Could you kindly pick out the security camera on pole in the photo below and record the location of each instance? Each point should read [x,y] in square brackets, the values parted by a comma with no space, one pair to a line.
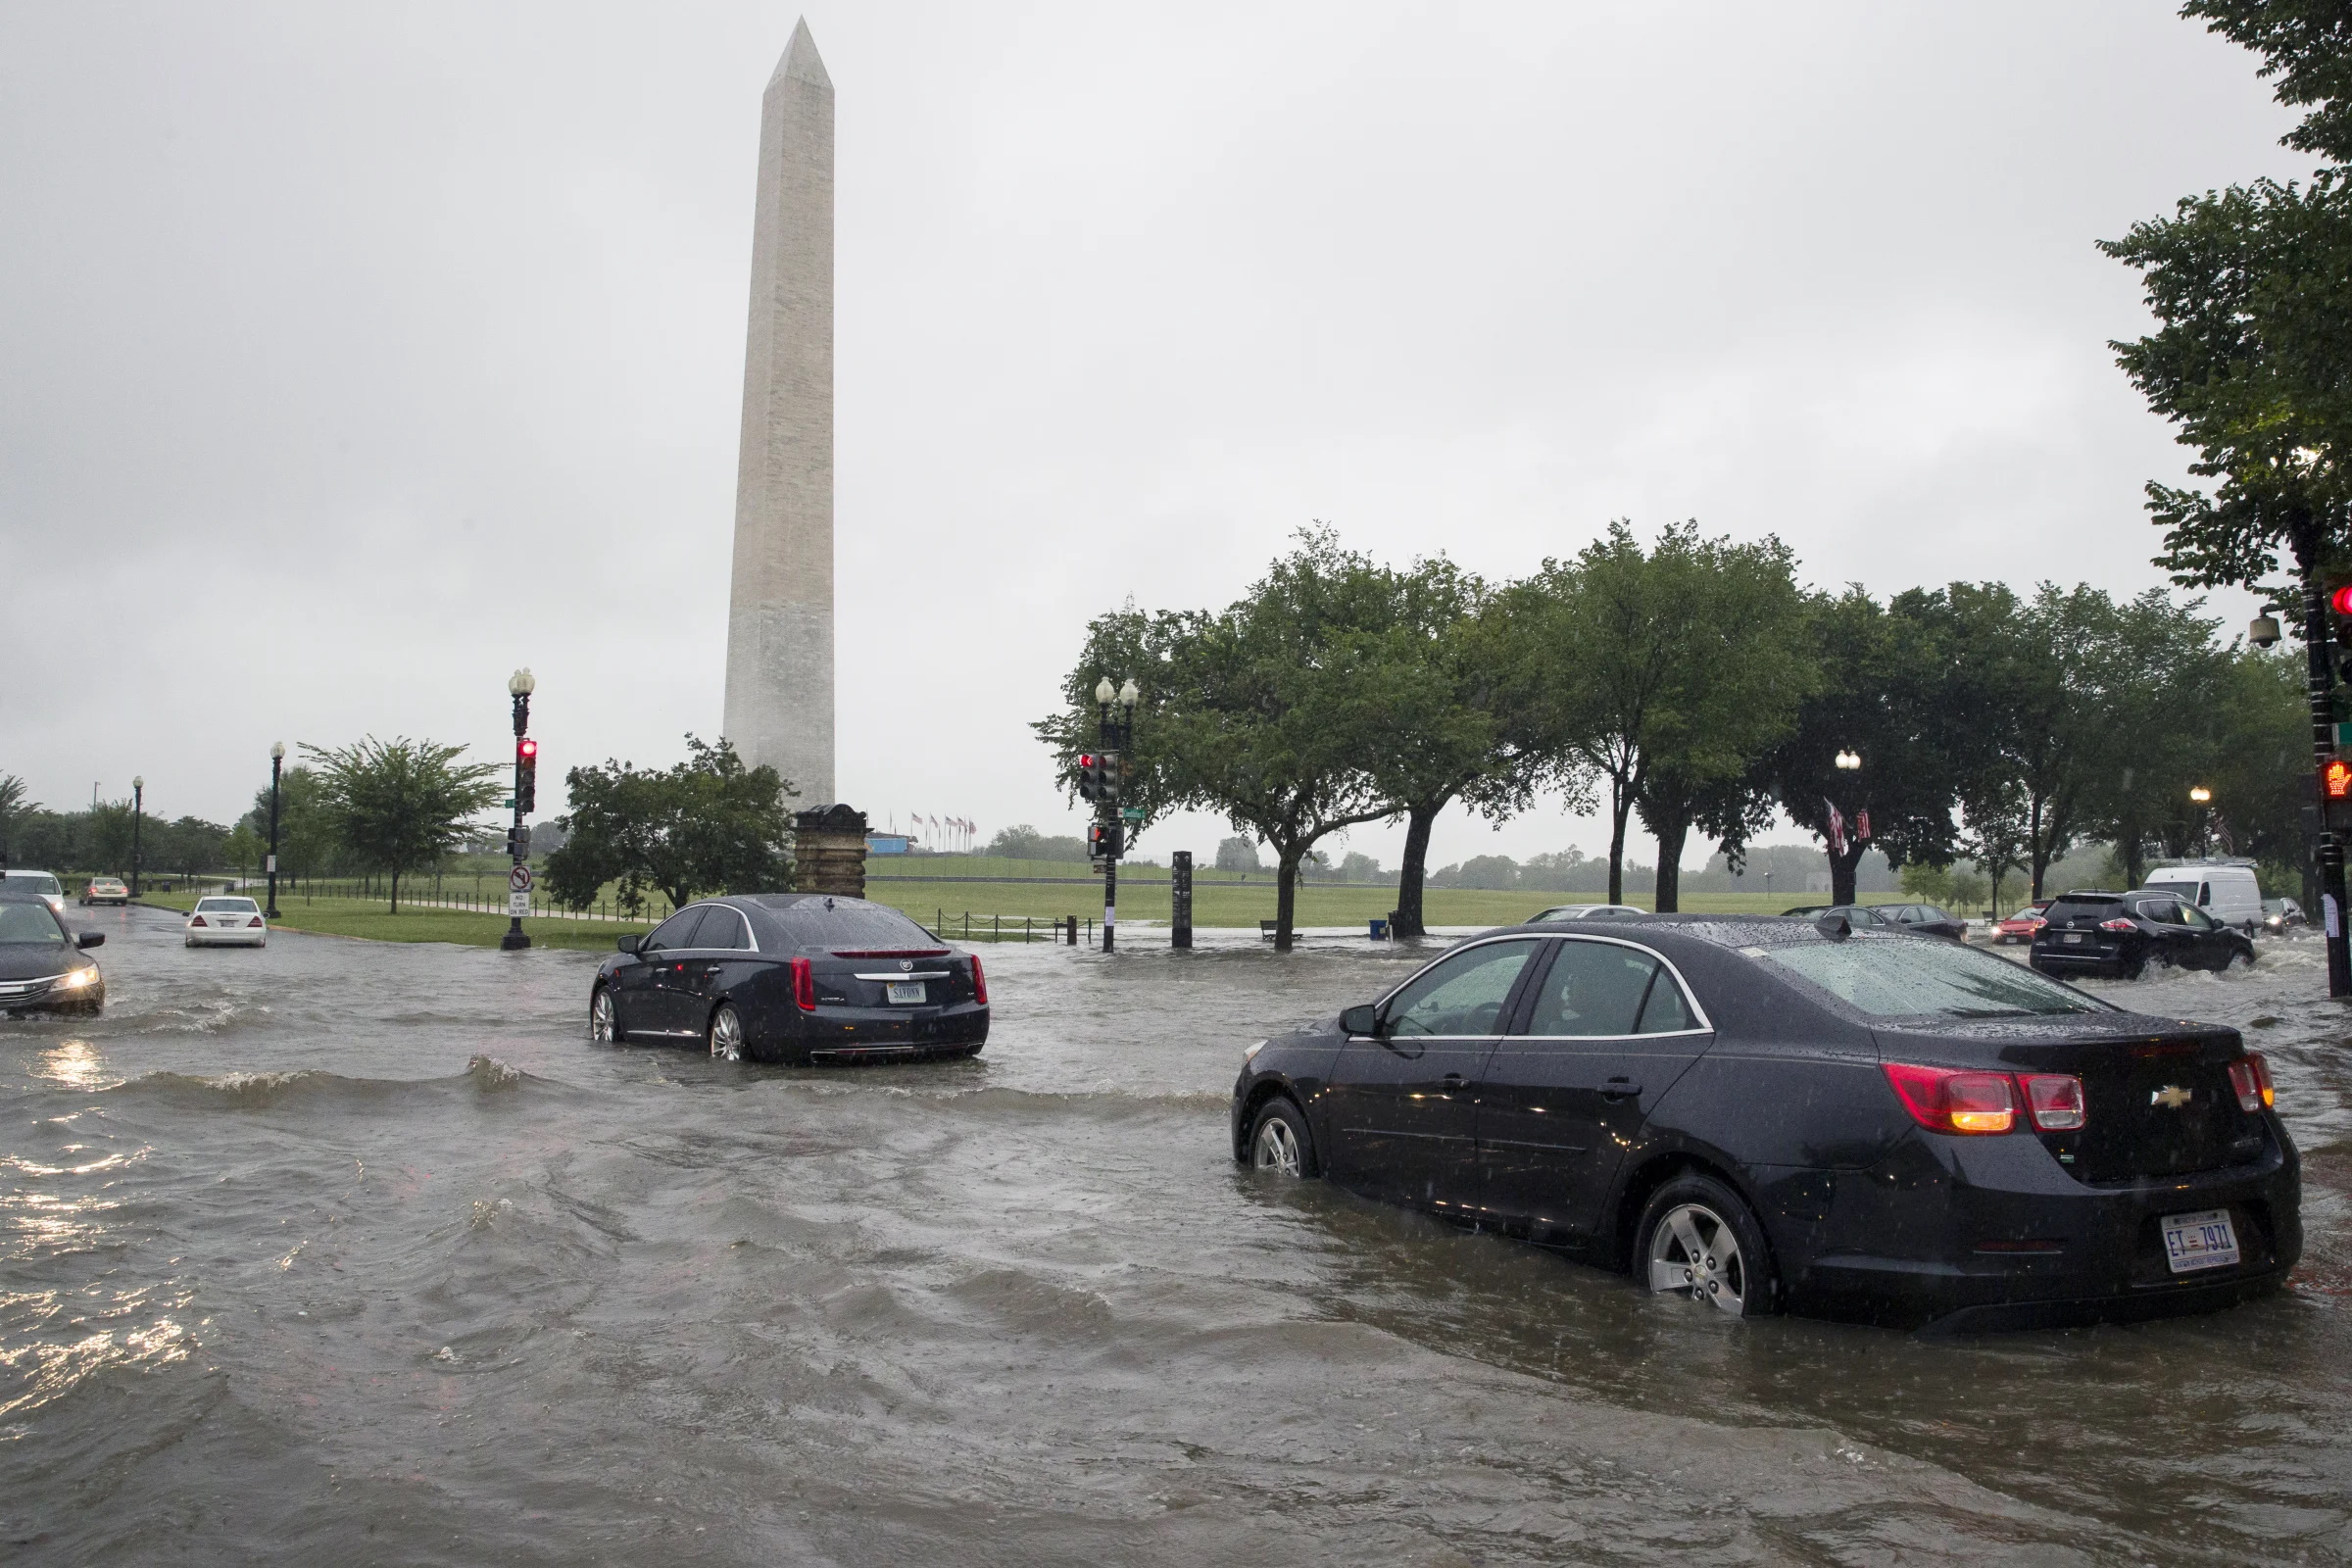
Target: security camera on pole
[1098,776]
[526,791]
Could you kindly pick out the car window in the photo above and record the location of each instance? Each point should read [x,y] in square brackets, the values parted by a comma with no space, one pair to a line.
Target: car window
[722,929]
[675,932]
[228,905]
[2200,920]
[2159,911]
[39,881]
[1462,994]
[2092,912]
[1894,977]
[850,924]
[1928,912]
[1592,988]
[28,923]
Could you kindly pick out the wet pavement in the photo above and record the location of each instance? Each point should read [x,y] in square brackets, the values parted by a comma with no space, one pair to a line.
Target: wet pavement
[347,1252]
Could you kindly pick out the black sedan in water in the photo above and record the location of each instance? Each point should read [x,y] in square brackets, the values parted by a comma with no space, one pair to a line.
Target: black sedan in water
[42,965]
[2090,932]
[1769,1114]
[802,977]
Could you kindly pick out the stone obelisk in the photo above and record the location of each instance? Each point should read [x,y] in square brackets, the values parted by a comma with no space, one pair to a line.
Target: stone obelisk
[780,707]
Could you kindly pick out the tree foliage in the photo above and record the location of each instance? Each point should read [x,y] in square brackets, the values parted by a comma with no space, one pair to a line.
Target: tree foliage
[399,805]
[705,826]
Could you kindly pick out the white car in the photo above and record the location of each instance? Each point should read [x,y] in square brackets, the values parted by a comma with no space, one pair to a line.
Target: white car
[223,922]
[1585,911]
[51,890]
[106,890]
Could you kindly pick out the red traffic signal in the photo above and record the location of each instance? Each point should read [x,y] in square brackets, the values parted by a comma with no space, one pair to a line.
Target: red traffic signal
[526,748]
[2340,601]
[2338,780]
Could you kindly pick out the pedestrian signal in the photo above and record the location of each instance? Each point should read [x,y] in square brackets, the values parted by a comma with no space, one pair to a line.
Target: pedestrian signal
[2338,780]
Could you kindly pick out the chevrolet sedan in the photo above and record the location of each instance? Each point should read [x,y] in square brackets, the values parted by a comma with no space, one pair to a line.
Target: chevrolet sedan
[1771,1115]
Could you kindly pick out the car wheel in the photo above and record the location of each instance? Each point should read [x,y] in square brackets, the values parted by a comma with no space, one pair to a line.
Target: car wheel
[1697,1239]
[1279,1141]
[2241,958]
[603,1024]
[727,1034]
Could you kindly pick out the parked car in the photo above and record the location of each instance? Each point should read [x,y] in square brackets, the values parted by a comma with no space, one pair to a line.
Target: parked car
[2223,889]
[219,921]
[43,966]
[804,977]
[2021,926]
[1763,1114]
[2093,932]
[2280,915]
[1585,911]
[1924,918]
[105,890]
[44,885]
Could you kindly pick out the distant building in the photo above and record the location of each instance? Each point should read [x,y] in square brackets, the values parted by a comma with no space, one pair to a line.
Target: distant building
[888,844]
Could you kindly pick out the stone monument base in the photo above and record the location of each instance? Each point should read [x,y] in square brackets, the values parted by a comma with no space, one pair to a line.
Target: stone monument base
[828,852]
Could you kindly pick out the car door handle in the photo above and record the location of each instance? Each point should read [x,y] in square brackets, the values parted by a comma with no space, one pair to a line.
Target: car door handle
[1618,1089]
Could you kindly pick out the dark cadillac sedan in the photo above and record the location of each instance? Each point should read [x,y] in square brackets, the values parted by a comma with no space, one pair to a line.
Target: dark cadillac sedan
[802,977]
[42,967]
[1774,1114]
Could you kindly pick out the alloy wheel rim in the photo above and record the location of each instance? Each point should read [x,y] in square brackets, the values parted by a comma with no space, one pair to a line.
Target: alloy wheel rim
[1277,1148]
[1692,1253]
[727,1036]
[599,1018]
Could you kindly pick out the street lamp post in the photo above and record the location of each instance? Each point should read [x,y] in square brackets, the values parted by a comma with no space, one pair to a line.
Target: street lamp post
[1847,760]
[519,687]
[138,808]
[1115,722]
[2199,796]
[277,761]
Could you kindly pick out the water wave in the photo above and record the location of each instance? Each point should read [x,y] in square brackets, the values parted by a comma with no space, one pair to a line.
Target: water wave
[254,1091]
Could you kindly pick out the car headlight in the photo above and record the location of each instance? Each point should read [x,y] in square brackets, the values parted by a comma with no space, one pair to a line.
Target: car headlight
[1252,1054]
[79,979]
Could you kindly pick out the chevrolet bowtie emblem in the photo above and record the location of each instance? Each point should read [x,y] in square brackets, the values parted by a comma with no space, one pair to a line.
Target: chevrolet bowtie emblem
[2171,1096]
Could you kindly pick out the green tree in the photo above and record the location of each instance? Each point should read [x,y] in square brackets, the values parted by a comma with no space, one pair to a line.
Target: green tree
[400,805]
[2161,689]
[16,810]
[1884,690]
[307,843]
[707,824]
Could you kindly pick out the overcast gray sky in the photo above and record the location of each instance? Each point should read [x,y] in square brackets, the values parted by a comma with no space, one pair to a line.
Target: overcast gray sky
[352,356]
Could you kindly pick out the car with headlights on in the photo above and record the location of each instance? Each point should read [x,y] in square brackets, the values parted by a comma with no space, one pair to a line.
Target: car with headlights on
[105,890]
[222,921]
[2281,915]
[810,978]
[2091,932]
[1769,1114]
[44,967]
[42,885]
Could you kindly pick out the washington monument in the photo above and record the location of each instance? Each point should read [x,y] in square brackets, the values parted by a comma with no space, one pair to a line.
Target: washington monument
[779,706]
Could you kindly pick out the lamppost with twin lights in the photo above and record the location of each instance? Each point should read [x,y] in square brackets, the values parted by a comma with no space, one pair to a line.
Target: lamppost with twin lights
[277,761]
[1114,725]
[519,687]
[1847,760]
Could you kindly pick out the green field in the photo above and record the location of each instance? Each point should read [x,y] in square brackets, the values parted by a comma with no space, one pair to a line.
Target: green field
[370,920]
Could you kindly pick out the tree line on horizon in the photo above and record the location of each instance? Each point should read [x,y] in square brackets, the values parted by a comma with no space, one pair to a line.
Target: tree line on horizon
[1695,687]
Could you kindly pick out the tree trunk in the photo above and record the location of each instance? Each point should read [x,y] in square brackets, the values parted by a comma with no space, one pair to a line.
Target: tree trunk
[1418,820]
[2037,851]
[1671,839]
[1286,894]
[1842,872]
[1621,801]
[395,892]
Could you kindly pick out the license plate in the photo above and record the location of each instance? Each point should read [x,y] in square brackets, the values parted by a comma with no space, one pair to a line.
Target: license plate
[905,989]
[2203,1240]
[2073,936]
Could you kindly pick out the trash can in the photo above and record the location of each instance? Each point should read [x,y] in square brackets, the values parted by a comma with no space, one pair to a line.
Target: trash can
[1380,930]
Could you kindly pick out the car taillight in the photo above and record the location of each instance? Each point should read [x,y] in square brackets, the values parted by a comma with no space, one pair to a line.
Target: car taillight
[198,920]
[804,985]
[979,982]
[2054,1100]
[2250,1076]
[1949,1100]
[256,920]
[2118,924]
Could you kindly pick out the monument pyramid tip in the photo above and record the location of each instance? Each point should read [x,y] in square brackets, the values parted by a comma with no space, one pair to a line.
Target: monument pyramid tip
[801,62]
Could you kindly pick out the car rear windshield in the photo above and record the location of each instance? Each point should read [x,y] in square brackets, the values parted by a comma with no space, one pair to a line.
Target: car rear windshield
[1909,977]
[240,905]
[28,923]
[851,926]
[2065,909]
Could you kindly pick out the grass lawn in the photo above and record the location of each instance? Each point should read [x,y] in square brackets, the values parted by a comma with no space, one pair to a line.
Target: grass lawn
[370,919]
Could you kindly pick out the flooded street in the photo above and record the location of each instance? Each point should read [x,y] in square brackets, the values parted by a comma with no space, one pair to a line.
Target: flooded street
[348,1253]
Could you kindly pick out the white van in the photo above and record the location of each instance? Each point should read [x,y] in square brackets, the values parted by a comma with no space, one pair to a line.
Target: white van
[2223,889]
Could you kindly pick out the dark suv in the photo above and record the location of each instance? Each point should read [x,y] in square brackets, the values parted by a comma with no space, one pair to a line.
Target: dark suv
[2090,931]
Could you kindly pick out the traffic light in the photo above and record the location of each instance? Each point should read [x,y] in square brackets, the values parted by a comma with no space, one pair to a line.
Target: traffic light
[519,843]
[526,774]
[1094,777]
[2340,601]
[1104,841]
[2338,780]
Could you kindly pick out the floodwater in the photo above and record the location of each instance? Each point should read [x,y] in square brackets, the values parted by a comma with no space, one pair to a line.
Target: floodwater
[340,1252]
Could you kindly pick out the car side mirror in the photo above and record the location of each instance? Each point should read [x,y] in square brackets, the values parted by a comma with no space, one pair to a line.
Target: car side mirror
[1363,1020]
[90,939]
[628,944]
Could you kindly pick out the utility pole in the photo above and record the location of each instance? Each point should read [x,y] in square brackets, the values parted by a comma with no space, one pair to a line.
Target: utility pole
[519,686]
[138,811]
[2330,777]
